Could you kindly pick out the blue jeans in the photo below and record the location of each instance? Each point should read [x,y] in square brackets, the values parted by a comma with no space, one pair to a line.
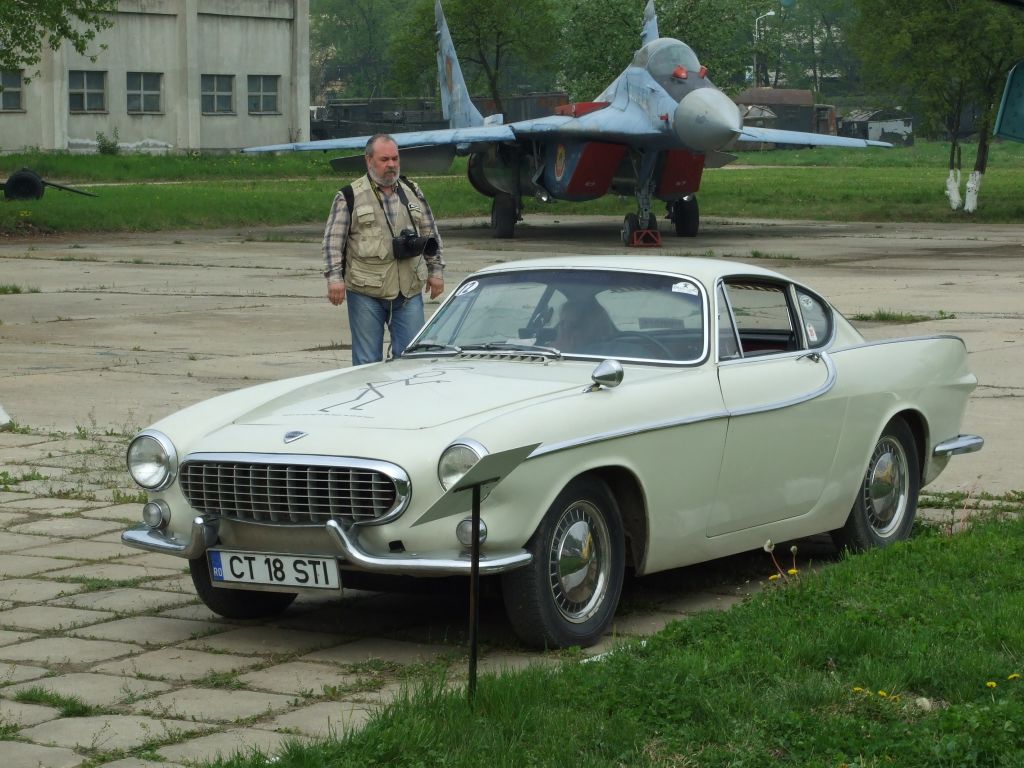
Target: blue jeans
[367,317]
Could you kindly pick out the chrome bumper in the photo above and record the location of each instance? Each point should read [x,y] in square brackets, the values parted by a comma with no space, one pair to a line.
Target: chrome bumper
[204,535]
[959,444]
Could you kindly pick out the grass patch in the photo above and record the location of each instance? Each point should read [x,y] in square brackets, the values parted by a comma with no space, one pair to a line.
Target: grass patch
[8,289]
[902,184]
[900,318]
[69,706]
[905,656]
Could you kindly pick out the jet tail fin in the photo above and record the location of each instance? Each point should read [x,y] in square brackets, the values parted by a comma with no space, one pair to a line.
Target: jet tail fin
[650,29]
[456,105]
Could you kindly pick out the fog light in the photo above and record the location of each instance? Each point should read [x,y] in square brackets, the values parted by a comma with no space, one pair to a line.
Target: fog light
[464,532]
[156,514]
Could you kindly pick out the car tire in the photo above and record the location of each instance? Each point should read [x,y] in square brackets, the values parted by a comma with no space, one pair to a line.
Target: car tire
[236,603]
[550,606]
[886,502]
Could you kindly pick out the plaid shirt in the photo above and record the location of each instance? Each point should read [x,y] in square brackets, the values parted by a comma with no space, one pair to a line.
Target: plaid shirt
[336,234]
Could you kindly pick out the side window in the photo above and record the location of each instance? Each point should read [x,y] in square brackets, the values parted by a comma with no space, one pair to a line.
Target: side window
[218,94]
[728,346]
[816,317]
[10,90]
[143,92]
[87,91]
[762,315]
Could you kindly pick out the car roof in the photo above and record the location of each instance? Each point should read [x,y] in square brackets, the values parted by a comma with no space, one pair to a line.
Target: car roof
[703,269]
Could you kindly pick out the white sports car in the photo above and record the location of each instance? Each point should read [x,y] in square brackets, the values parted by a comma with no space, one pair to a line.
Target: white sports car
[649,413]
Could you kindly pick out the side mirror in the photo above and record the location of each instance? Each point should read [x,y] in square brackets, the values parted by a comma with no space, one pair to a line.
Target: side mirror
[608,373]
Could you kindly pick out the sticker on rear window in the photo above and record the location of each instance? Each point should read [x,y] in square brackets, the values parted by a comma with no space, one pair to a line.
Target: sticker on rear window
[685,287]
[469,287]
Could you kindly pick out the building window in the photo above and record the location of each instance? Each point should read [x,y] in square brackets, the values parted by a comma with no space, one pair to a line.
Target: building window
[144,92]
[218,94]
[87,91]
[10,90]
[263,94]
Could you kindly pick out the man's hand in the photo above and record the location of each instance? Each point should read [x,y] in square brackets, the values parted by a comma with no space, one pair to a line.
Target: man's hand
[336,292]
[436,286]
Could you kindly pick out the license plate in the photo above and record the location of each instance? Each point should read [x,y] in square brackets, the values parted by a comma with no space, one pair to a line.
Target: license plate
[275,570]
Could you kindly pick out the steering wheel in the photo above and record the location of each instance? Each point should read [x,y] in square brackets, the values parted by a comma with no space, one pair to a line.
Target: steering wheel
[665,352]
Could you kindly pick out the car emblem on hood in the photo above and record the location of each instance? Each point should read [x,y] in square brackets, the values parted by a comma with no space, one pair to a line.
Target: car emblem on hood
[295,434]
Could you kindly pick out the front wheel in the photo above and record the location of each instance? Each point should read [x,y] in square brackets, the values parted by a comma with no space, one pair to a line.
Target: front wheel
[886,503]
[568,593]
[236,603]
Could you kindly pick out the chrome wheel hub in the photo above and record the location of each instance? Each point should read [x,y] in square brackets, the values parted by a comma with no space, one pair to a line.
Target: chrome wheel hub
[579,562]
[885,487]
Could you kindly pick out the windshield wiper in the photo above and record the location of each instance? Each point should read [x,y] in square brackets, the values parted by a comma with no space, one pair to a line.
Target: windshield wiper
[511,346]
[431,346]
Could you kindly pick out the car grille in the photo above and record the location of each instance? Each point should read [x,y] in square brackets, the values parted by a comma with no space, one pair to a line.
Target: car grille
[274,493]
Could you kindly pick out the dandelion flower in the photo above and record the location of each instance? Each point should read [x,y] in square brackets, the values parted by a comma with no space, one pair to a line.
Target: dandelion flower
[991,684]
[883,694]
[792,571]
[793,550]
[1014,676]
[774,577]
[769,546]
[858,689]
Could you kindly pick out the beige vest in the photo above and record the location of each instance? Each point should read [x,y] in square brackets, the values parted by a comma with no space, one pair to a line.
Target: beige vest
[370,264]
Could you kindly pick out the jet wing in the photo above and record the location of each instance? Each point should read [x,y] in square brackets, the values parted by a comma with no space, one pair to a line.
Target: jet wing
[776,136]
[438,137]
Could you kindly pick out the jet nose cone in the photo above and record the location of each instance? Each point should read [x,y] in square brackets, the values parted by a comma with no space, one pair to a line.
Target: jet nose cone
[706,119]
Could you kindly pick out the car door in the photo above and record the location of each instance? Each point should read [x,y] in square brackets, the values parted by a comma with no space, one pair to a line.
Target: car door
[783,427]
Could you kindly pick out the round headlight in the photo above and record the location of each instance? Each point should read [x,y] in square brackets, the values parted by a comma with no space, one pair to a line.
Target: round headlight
[457,460]
[152,460]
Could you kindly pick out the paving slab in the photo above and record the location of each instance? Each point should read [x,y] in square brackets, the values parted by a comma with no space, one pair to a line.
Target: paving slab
[213,704]
[78,550]
[299,678]
[24,715]
[7,637]
[225,744]
[21,565]
[122,513]
[177,664]
[396,651]
[95,690]
[66,527]
[16,542]
[51,618]
[14,673]
[18,754]
[148,630]
[324,720]
[264,641]
[108,733]
[66,650]
[114,572]
[128,600]
[35,590]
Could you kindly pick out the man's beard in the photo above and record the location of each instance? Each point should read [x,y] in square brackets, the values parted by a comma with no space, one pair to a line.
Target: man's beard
[384,181]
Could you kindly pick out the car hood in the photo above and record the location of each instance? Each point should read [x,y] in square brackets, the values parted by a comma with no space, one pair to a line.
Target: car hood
[415,395]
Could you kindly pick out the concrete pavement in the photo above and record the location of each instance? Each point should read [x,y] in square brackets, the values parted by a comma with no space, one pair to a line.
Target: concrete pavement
[111,333]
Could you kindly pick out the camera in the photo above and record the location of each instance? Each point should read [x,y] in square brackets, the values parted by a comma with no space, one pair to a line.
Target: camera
[408,245]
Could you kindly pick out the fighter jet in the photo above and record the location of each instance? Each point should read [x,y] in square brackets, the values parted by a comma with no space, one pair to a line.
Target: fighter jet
[651,134]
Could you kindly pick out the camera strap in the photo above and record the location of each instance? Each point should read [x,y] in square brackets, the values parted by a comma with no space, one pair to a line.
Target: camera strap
[401,197]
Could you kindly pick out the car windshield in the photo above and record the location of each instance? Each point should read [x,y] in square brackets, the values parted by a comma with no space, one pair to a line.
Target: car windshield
[573,313]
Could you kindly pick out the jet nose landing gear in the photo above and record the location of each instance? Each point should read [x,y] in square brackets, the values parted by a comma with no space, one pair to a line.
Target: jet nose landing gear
[635,236]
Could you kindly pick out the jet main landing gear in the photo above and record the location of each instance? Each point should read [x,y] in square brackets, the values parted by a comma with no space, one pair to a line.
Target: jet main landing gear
[685,214]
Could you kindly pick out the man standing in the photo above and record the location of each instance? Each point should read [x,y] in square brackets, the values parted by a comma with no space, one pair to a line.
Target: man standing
[366,262]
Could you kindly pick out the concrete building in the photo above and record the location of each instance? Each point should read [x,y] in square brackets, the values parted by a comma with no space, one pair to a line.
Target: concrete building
[174,75]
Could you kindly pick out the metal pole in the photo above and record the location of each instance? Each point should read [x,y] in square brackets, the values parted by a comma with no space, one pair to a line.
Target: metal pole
[474,593]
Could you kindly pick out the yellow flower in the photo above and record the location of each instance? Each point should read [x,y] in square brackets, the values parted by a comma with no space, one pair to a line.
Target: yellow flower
[1014,676]
[774,577]
[883,694]
[792,571]
[858,689]
[991,684]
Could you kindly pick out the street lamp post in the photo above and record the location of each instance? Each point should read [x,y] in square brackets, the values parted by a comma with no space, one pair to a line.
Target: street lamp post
[757,39]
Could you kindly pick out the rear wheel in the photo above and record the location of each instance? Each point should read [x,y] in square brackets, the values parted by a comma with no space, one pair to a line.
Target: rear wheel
[686,217]
[236,603]
[568,594]
[886,503]
[503,216]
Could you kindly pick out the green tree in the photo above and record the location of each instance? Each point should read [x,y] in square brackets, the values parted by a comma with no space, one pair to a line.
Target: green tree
[947,58]
[351,42]
[25,25]
[807,47]
[502,46]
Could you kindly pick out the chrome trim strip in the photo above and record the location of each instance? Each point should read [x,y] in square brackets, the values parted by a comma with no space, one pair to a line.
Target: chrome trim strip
[415,565]
[202,536]
[958,445]
[403,485]
[654,426]
[881,342]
